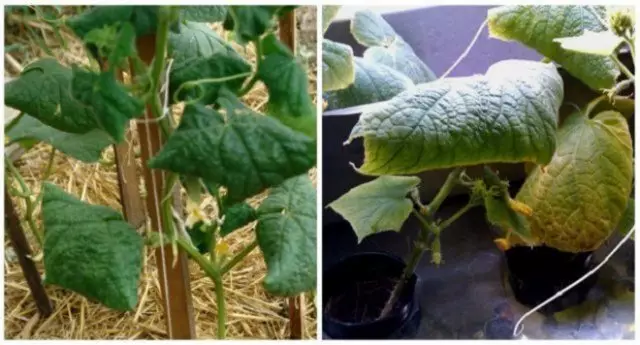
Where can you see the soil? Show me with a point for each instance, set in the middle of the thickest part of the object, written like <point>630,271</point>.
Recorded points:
<point>362,301</point>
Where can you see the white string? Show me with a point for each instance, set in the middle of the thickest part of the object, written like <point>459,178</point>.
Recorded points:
<point>517,330</point>
<point>165,104</point>
<point>159,222</point>
<point>466,51</point>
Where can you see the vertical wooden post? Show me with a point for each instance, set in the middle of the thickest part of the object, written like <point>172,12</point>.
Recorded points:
<point>287,33</point>
<point>177,292</point>
<point>21,246</point>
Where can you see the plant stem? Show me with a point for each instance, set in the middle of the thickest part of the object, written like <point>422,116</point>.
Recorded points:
<point>49,169</point>
<point>630,41</point>
<point>165,16</point>
<point>26,194</point>
<point>254,78</point>
<point>457,215</point>
<point>623,68</point>
<point>444,191</point>
<point>222,309</point>
<point>213,273</point>
<point>238,257</point>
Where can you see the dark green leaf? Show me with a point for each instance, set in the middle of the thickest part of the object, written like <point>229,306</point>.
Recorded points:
<point>401,57</point>
<point>370,29</point>
<point>242,150</point>
<point>337,65</point>
<point>218,65</point>
<point>373,83</point>
<point>197,40</point>
<point>236,217</point>
<point>250,22</point>
<point>378,205</point>
<point>538,26</point>
<point>510,114</point>
<point>286,235</point>
<point>201,236</point>
<point>286,80</point>
<point>143,18</point>
<point>125,46</point>
<point>108,99</point>
<point>43,90</point>
<point>203,14</point>
<point>85,147</point>
<point>90,249</point>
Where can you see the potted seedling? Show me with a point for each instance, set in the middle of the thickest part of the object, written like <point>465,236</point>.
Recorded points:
<point>220,146</point>
<point>580,168</point>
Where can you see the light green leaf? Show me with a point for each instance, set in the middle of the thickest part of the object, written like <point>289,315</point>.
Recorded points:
<point>197,40</point>
<point>85,147</point>
<point>602,43</point>
<point>108,99</point>
<point>378,205</point>
<point>286,234</point>
<point>242,150</point>
<point>203,14</point>
<point>90,249</point>
<point>508,115</point>
<point>538,26</point>
<point>328,13</point>
<point>628,219</point>
<point>286,81</point>
<point>401,57</point>
<point>237,216</point>
<point>43,90</point>
<point>373,83</point>
<point>370,29</point>
<point>143,19</point>
<point>581,195</point>
<point>498,206</point>
<point>218,65</point>
<point>337,65</point>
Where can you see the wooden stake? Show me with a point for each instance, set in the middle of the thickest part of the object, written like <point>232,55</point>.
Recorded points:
<point>21,246</point>
<point>287,33</point>
<point>178,304</point>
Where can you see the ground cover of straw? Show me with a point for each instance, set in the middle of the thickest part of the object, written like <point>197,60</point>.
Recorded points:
<point>252,313</point>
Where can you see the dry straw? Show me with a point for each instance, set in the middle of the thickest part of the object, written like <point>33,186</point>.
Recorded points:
<point>252,313</point>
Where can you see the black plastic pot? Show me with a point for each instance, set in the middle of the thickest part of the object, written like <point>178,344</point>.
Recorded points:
<point>355,291</point>
<point>535,274</point>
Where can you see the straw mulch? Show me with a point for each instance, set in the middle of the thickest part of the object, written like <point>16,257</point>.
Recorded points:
<point>252,313</point>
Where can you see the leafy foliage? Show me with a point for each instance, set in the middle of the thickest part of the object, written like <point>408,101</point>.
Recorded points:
<point>538,26</point>
<point>90,249</point>
<point>465,121</point>
<point>581,195</point>
<point>379,205</point>
<point>337,65</point>
<point>204,14</point>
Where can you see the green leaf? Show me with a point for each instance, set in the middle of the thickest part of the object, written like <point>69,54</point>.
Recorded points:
<point>370,29</point>
<point>498,206</point>
<point>90,249</point>
<point>373,83</point>
<point>85,147</point>
<point>142,18</point>
<point>602,43</point>
<point>250,22</point>
<point>201,236</point>
<point>337,65</point>
<point>197,40</point>
<point>236,217</point>
<point>328,13</point>
<point>124,47</point>
<point>401,57</point>
<point>203,14</point>
<point>108,99</point>
<point>286,81</point>
<point>376,206</point>
<point>219,65</point>
<point>627,221</point>
<point>538,26</point>
<point>581,195</point>
<point>43,90</point>
<point>508,115</point>
<point>242,150</point>
<point>286,234</point>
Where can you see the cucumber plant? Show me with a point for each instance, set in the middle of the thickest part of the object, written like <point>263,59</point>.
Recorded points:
<point>219,146</point>
<point>580,164</point>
